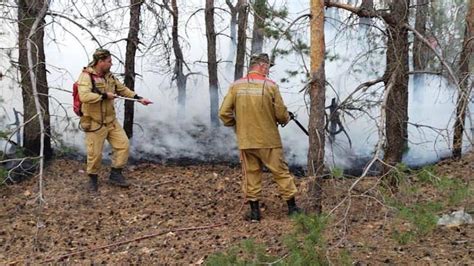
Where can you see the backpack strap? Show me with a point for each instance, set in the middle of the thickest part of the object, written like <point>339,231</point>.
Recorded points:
<point>94,87</point>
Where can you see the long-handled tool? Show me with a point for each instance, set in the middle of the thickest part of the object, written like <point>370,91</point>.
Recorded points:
<point>145,102</point>
<point>301,126</point>
<point>292,117</point>
<point>126,98</point>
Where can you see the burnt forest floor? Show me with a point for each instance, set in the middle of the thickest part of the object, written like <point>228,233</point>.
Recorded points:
<point>193,215</point>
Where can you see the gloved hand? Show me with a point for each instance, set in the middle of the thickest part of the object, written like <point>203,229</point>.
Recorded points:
<point>292,116</point>
<point>145,101</point>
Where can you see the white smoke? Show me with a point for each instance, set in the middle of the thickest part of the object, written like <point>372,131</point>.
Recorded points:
<point>160,134</point>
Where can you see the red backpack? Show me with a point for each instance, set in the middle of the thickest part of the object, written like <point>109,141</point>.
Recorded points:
<point>75,95</point>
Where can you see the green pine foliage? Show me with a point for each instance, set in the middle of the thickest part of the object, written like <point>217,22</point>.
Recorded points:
<point>337,172</point>
<point>305,246</point>
<point>246,253</point>
<point>421,215</point>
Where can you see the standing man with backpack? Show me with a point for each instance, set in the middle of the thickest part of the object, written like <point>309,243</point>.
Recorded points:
<point>97,88</point>
<point>254,106</point>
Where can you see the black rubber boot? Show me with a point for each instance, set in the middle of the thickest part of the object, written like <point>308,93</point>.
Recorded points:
<point>93,185</point>
<point>116,178</point>
<point>292,208</point>
<point>254,214</point>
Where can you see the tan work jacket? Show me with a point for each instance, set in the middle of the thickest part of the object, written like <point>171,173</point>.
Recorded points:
<point>254,106</point>
<point>93,105</point>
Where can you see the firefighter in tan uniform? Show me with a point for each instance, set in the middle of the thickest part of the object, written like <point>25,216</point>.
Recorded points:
<point>97,90</point>
<point>254,106</point>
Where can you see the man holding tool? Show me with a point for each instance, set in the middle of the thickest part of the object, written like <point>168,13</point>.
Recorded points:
<point>254,106</point>
<point>97,89</point>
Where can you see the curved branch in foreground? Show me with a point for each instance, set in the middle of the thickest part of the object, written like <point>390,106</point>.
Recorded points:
<point>440,56</point>
<point>33,74</point>
<point>364,85</point>
<point>272,57</point>
<point>362,12</point>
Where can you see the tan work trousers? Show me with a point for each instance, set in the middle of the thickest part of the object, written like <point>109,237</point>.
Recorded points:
<point>252,163</point>
<point>115,135</point>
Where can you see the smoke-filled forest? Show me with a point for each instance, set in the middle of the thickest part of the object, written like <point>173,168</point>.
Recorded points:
<point>236,132</point>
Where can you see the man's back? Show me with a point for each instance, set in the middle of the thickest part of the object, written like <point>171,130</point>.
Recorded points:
<point>254,105</point>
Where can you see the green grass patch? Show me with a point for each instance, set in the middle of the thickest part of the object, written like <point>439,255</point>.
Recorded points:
<point>456,190</point>
<point>459,194</point>
<point>445,183</point>
<point>245,253</point>
<point>412,189</point>
<point>3,175</point>
<point>403,238</point>
<point>66,150</point>
<point>306,246</point>
<point>337,172</point>
<point>344,259</point>
<point>427,174</point>
<point>453,190</point>
<point>423,217</point>
<point>399,174</point>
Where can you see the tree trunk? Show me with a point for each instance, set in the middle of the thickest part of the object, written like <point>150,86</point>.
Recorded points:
<point>179,64</point>
<point>397,102</point>
<point>233,32</point>
<point>420,51</point>
<point>366,21</point>
<point>132,45</point>
<point>317,93</point>
<point>212,63</point>
<point>242,39</point>
<point>27,13</point>
<point>465,86</point>
<point>260,14</point>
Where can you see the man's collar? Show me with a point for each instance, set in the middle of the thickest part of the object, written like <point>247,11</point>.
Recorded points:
<point>255,72</point>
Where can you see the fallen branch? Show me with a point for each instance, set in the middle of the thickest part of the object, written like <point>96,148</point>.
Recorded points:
<point>130,241</point>
<point>164,183</point>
